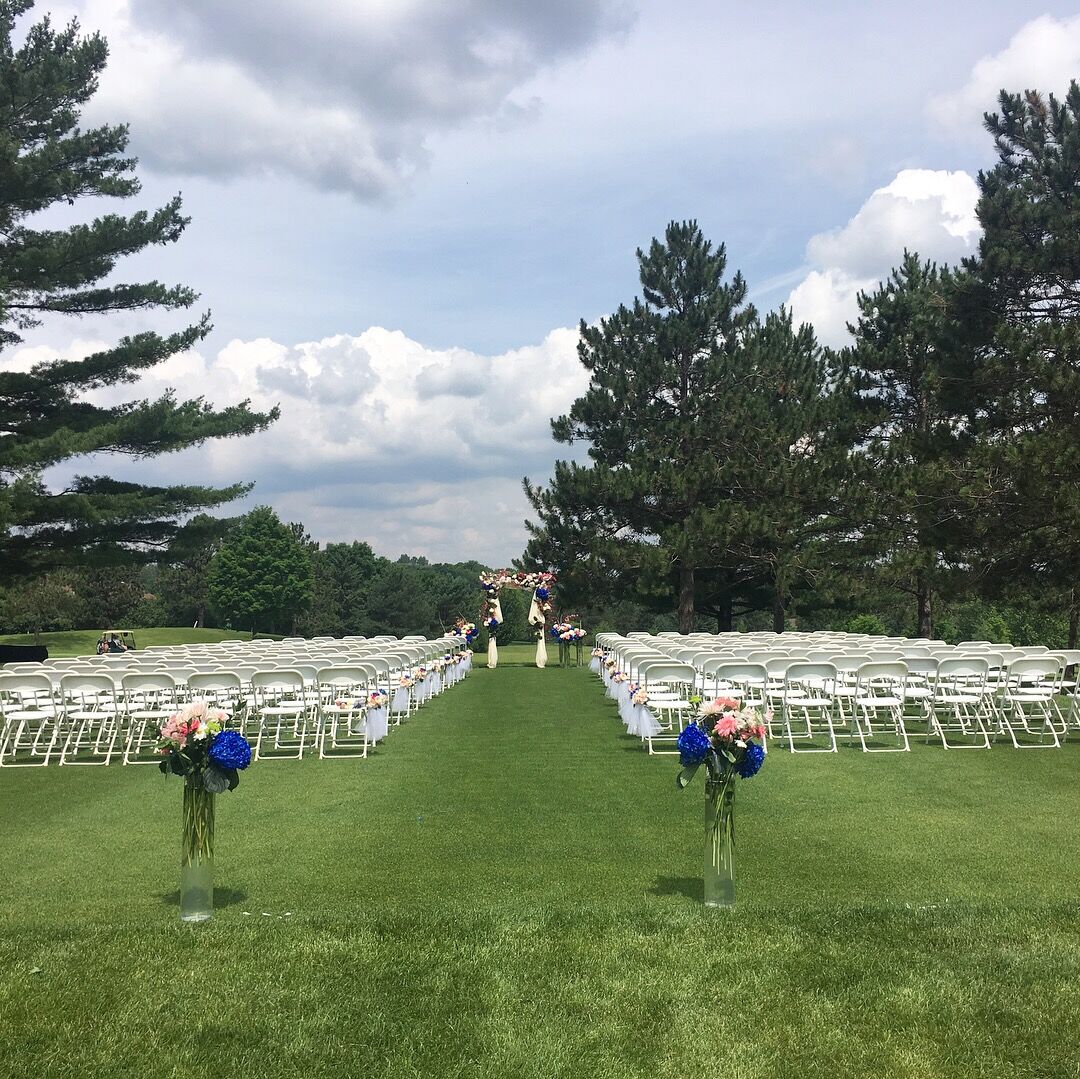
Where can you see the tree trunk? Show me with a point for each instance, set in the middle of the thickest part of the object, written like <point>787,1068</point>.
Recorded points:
<point>726,618</point>
<point>778,610</point>
<point>686,598</point>
<point>200,616</point>
<point>1074,618</point>
<point>923,597</point>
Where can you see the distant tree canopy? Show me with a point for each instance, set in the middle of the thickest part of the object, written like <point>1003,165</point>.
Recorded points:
<point>46,418</point>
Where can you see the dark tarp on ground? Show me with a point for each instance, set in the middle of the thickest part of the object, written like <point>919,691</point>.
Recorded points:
<point>23,653</point>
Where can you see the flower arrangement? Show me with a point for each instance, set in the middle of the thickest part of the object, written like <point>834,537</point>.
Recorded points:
<point>729,740</point>
<point>195,744</point>
<point>726,738</point>
<point>492,624</point>
<point>467,630</point>
<point>640,696</point>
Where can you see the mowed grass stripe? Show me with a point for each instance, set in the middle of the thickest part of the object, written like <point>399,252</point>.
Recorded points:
<point>510,888</point>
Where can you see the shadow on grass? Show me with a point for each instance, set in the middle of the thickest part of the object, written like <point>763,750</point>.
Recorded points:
<point>689,887</point>
<point>223,897</point>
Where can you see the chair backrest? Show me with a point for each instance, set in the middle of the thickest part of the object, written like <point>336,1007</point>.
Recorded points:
<point>892,675</point>
<point>216,682</point>
<point>1035,669</point>
<point>740,672</point>
<point>969,668</point>
<point>281,678</point>
<point>806,671</point>
<point>925,665</point>
<point>663,670</point>
<point>148,683</point>
<point>22,690</point>
<point>78,685</point>
<point>347,677</point>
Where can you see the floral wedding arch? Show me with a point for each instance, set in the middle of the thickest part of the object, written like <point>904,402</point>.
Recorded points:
<point>542,586</point>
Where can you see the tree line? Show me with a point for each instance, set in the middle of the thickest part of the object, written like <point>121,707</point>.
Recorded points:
<point>737,467</point>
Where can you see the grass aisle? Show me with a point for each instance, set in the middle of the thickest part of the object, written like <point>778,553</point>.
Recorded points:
<point>512,888</point>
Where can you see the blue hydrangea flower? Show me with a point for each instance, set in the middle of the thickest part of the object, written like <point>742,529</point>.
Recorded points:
<point>230,749</point>
<point>752,761</point>
<point>542,593</point>
<point>694,745</point>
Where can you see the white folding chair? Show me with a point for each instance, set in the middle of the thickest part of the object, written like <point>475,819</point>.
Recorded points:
<point>960,704</point>
<point>284,710</point>
<point>29,720</point>
<point>669,686</point>
<point>91,718</point>
<point>807,706</point>
<point>147,700</point>
<point>879,705</point>
<point>1027,707</point>
<point>343,693</point>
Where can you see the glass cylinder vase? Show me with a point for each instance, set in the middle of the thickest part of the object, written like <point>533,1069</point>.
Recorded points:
<point>720,841</point>
<point>197,855</point>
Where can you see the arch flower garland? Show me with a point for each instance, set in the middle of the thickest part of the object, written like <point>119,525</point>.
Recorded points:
<point>542,586</point>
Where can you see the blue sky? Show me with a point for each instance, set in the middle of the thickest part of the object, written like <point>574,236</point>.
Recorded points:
<point>401,208</point>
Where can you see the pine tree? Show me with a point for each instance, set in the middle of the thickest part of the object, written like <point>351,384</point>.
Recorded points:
<point>716,443</point>
<point>185,568</point>
<point>907,502</point>
<point>261,577</point>
<point>784,508</point>
<point>48,160</point>
<point>1019,302</point>
<point>653,411</point>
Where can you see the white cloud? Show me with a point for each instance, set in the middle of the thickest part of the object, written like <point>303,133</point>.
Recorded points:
<point>928,212</point>
<point>1044,54</point>
<point>359,451</point>
<point>342,94</point>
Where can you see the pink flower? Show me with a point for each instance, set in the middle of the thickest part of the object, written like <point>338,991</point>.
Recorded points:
<point>727,725</point>
<point>727,704</point>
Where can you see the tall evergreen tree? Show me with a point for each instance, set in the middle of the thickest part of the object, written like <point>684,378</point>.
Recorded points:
<point>907,504</point>
<point>652,414</point>
<point>1019,303</point>
<point>784,476</point>
<point>47,160</point>
<point>184,577</point>
<point>261,577</point>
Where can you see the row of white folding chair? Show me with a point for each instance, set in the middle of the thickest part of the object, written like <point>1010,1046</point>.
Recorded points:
<point>90,718</point>
<point>952,695</point>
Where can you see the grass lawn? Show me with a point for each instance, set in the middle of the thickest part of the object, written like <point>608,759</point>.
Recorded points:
<point>510,887</point>
<point>83,642</point>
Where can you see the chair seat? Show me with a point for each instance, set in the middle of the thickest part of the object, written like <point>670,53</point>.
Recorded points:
<point>878,702</point>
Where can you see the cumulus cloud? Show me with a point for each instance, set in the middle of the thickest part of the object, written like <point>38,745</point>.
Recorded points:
<point>340,93</point>
<point>1044,54</point>
<point>360,451</point>
<point>929,212</point>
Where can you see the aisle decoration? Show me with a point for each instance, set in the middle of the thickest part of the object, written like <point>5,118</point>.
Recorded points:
<point>730,741</point>
<point>467,630</point>
<point>195,745</point>
<point>569,636</point>
<point>596,660</point>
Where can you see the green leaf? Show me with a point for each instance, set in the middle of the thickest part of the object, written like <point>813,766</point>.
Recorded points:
<point>214,779</point>
<point>682,780</point>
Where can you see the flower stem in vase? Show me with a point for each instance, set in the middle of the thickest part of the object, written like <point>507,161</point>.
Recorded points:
<point>197,854</point>
<point>720,840</point>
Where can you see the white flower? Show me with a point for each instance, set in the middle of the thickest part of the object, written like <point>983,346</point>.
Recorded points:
<point>201,733</point>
